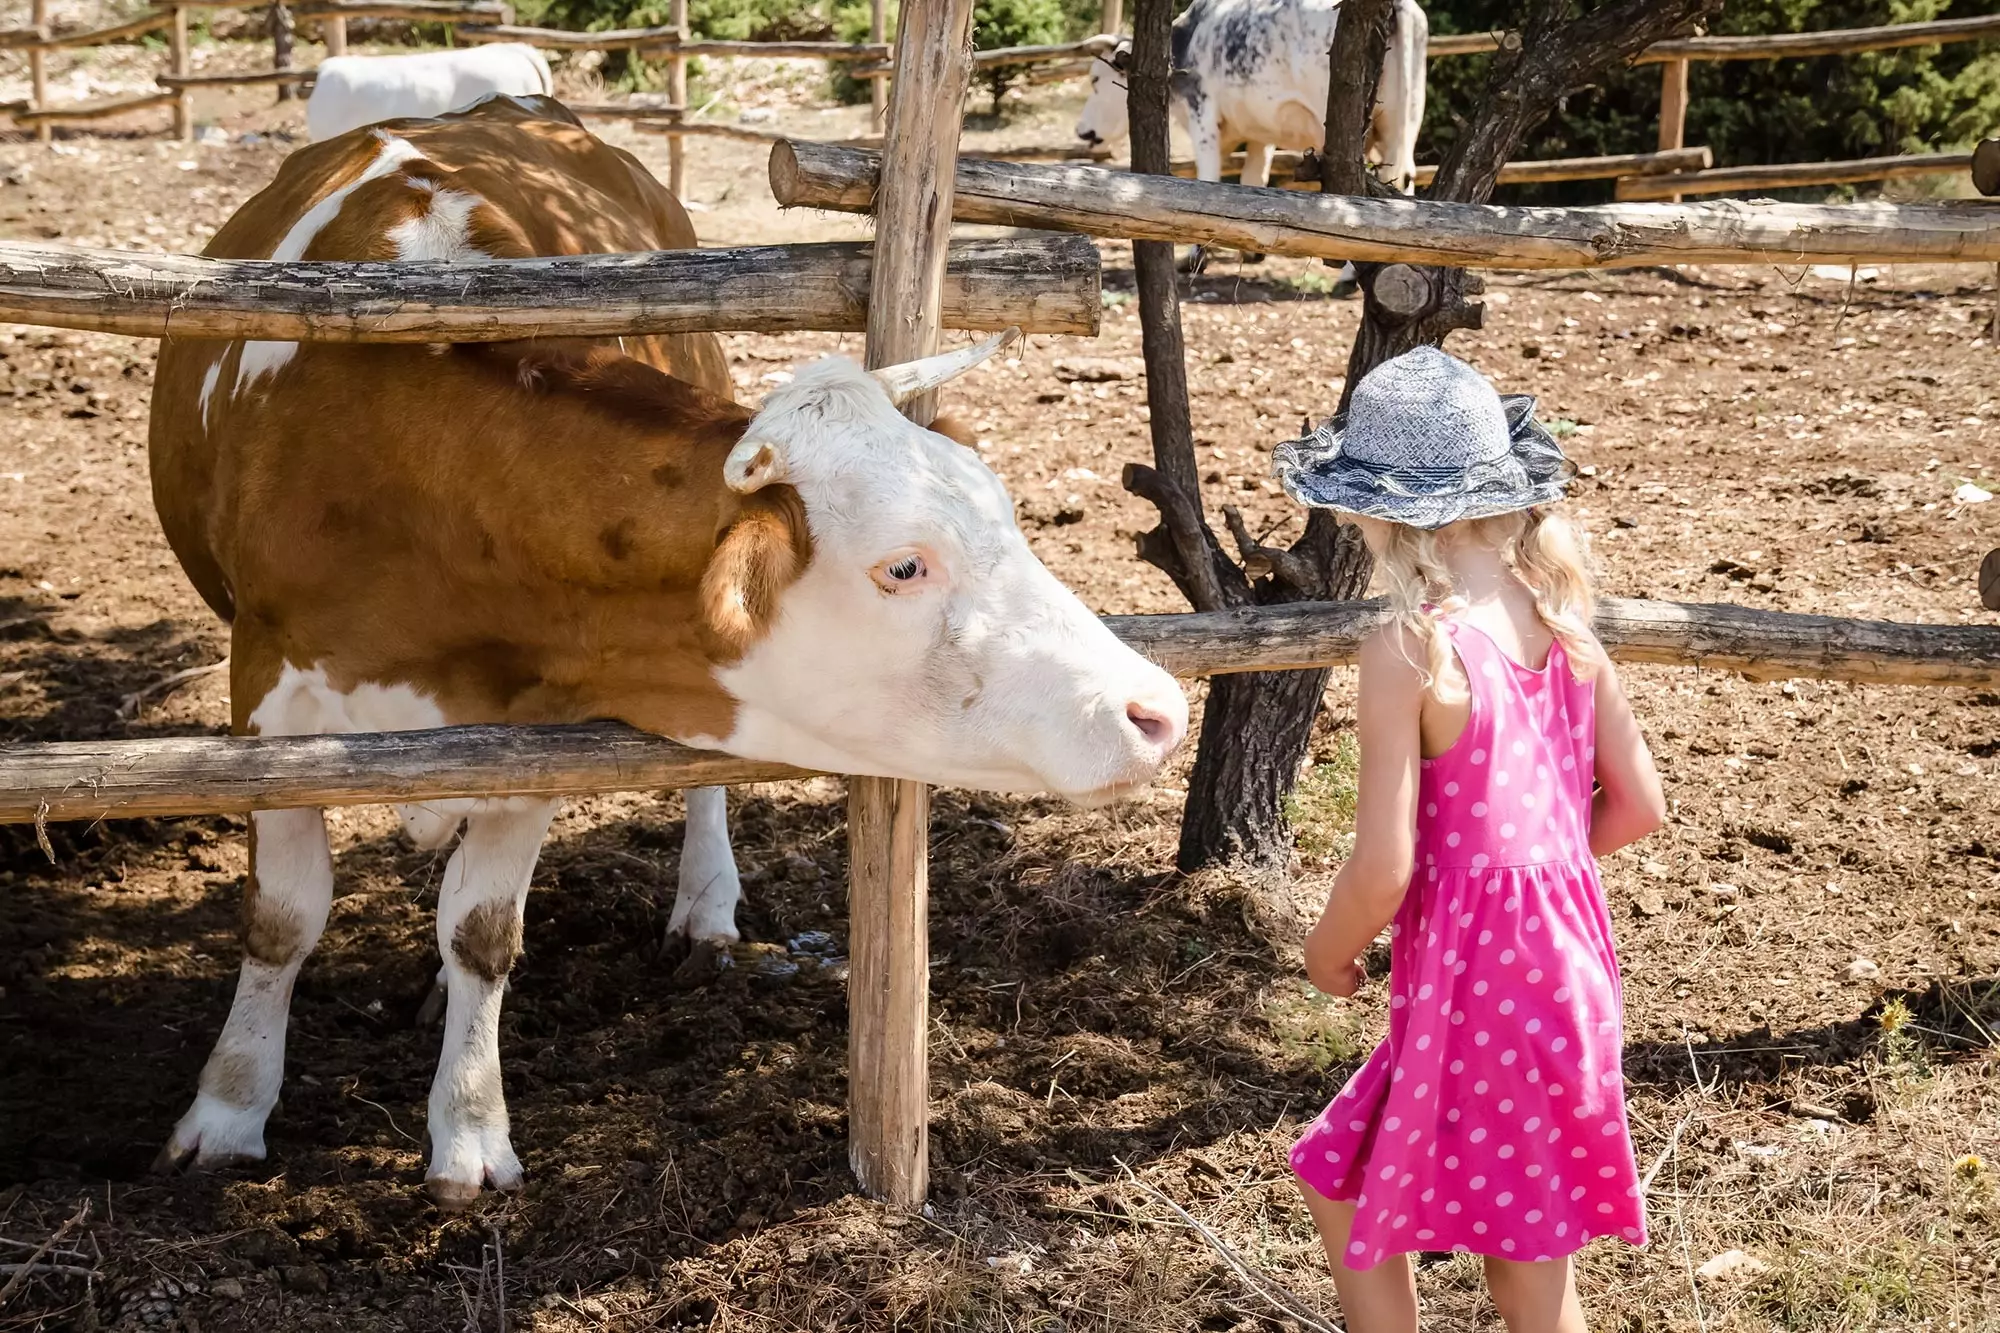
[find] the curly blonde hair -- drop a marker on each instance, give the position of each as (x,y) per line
(1542,549)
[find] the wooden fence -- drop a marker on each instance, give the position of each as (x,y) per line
(1639,176)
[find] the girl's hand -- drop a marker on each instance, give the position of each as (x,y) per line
(1344,981)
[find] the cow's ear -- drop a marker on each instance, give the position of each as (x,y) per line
(956,429)
(752,465)
(758,556)
(1121,59)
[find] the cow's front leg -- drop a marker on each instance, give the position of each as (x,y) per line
(1206,133)
(704,915)
(479,934)
(285,902)
(1256,173)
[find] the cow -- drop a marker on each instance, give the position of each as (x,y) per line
(352,91)
(1254,72)
(562,530)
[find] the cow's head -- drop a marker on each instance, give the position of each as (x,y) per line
(909,631)
(1105,119)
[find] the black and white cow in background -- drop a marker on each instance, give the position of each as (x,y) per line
(1254,72)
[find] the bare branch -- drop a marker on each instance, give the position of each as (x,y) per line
(1259,560)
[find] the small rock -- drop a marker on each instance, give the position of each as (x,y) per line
(1969,494)
(307,1278)
(1863,969)
(1094,369)
(229,1289)
(1726,892)
(801,869)
(1732,1264)
(756,115)
(1651,903)
(1657,869)
(1620,521)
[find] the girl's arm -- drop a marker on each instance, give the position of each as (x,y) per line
(1629,803)
(1370,886)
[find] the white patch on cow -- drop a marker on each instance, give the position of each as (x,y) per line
(988,673)
(443,233)
(303,703)
(260,358)
(352,91)
(705,904)
(208,379)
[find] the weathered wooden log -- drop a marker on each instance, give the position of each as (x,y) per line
(1989,580)
(12,39)
(410,11)
(1416,231)
(1986,166)
(213,775)
(83,112)
(1831,42)
(665,37)
(717,130)
(250,79)
(1792,175)
(1527,172)
(1047,285)
(1000,56)
(1770,644)
(117,32)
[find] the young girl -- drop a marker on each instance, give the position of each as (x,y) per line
(1498,758)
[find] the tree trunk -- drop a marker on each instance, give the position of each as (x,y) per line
(1256,728)
(281,48)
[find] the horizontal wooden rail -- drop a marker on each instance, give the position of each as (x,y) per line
(669,38)
(117,32)
(1047,284)
(18,38)
(410,11)
(1421,231)
(1764,46)
(213,775)
(84,112)
(1001,56)
(250,79)
(1831,42)
(1793,175)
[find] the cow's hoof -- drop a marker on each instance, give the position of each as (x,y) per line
(213,1136)
(451,1196)
(706,960)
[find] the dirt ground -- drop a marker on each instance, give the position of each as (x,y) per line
(1811,948)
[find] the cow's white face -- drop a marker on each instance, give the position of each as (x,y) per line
(1105,118)
(924,640)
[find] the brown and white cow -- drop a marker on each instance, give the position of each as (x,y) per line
(406,537)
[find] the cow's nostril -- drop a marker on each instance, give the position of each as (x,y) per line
(1158,729)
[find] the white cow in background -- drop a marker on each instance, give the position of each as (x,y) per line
(352,91)
(1254,72)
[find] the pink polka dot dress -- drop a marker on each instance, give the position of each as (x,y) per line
(1492,1119)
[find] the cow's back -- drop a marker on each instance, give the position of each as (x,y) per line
(507,178)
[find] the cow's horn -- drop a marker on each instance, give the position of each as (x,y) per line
(906,381)
(752,465)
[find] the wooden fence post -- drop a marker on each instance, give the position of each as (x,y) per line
(333,31)
(38,72)
(177,49)
(878,87)
(888,1070)
(1673,107)
(677,93)
(1114,16)
(282,26)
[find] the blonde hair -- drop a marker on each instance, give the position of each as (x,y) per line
(1539,545)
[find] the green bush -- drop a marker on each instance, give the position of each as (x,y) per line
(1918,99)
(1001,23)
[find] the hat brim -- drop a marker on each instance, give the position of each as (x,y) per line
(1316,472)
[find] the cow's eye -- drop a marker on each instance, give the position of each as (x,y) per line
(907,571)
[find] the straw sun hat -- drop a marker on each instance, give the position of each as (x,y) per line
(1426,441)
